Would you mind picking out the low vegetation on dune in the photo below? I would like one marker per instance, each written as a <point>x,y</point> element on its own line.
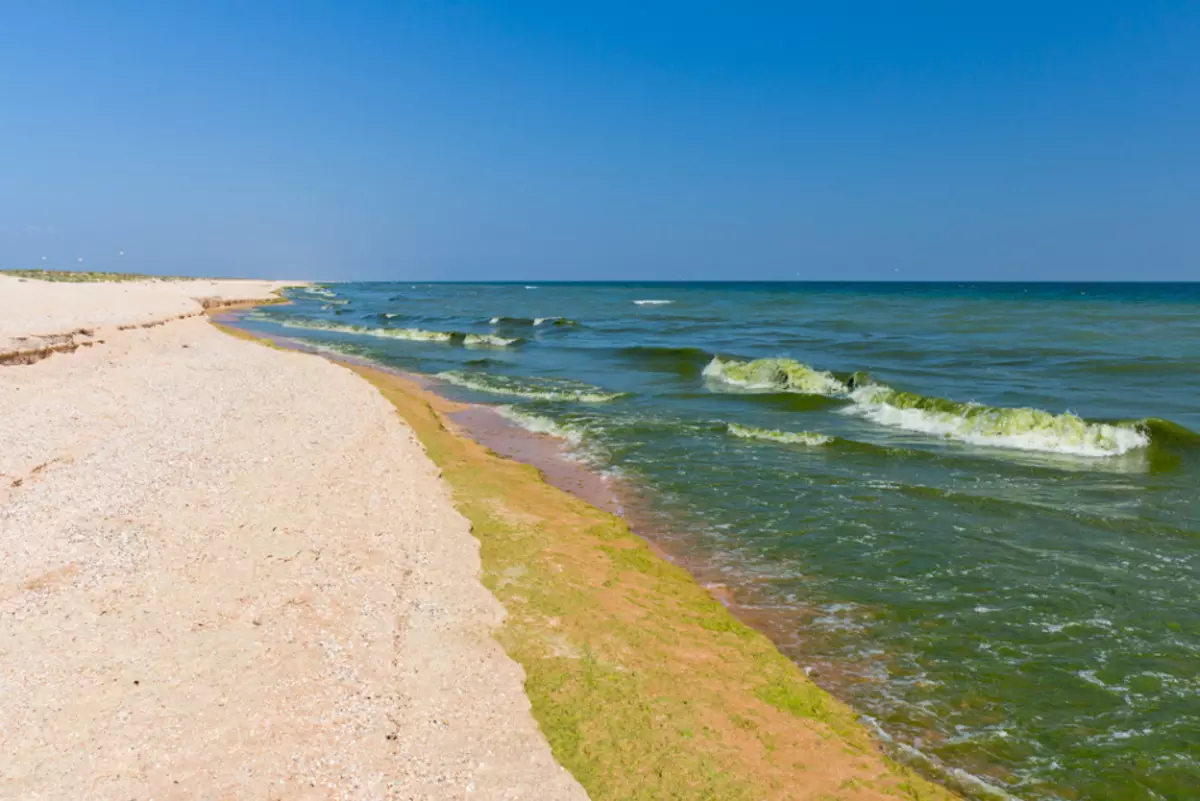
<point>85,277</point>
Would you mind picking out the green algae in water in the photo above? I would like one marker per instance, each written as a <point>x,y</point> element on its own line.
<point>1020,428</point>
<point>996,587</point>
<point>785,437</point>
<point>781,375</point>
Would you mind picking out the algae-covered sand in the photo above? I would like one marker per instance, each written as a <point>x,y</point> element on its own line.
<point>644,685</point>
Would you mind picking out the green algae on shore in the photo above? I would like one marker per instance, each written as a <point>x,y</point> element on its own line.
<point>644,684</point>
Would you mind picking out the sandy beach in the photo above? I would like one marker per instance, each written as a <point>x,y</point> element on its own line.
<point>228,571</point>
<point>234,570</point>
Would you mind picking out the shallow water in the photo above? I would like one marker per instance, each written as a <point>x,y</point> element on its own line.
<point>1011,595</point>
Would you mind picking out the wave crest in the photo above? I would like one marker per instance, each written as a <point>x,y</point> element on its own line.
<point>488,341</point>
<point>539,424</point>
<point>787,437</point>
<point>779,375</point>
<point>535,389</point>
<point>533,321</point>
<point>410,334</point>
<point>1016,428</point>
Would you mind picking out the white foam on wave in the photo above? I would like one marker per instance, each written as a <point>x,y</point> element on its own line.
<point>488,341</point>
<point>778,375</point>
<point>413,334</point>
<point>502,385</point>
<point>652,302</point>
<point>540,424</point>
<point>1016,429</point>
<point>785,437</point>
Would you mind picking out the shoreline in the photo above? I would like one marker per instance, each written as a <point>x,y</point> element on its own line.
<point>230,571</point>
<point>456,433</point>
<point>232,568</point>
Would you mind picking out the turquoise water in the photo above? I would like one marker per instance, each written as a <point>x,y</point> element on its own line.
<point>1007,591</point>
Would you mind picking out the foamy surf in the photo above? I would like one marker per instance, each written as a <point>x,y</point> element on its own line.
<point>1017,428</point>
<point>414,334</point>
<point>778,375</point>
<point>652,302</point>
<point>531,321</point>
<point>784,437</point>
<point>488,341</point>
<point>540,389</point>
<point>540,424</point>
<point>410,334</point>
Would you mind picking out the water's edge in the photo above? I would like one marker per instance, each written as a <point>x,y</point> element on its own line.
<point>482,424</point>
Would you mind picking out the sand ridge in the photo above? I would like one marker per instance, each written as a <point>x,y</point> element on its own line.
<point>231,571</point>
<point>40,318</point>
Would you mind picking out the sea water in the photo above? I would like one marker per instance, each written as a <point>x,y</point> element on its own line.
<point>972,511</point>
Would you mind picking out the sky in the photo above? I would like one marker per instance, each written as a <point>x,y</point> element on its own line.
<point>612,140</point>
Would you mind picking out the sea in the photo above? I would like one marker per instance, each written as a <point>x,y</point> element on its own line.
<point>971,511</point>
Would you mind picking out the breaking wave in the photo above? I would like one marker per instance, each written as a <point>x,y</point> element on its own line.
<point>786,437</point>
<point>534,389</point>
<point>778,375</point>
<point>533,321</point>
<point>540,424</point>
<point>1016,428</point>
<point>411,334</point>
<point>652,302</point>
<point>1024,429</point>
<point>488,341</point>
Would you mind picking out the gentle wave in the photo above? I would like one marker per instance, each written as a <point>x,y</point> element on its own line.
<point>540,389</point>
<point>539,424</point>
<point>652,302</point>
<point>488,340</point>
<point>779,375</point>
<point>665,359</point>
<point>533,321</point>
<point>786,437</point>
<point>1017,428</point>
<point>411,334</point>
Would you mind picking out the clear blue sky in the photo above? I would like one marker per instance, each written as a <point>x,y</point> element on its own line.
<point>608,140</point>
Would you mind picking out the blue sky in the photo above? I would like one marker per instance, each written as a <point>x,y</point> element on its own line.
<point>543,140</point>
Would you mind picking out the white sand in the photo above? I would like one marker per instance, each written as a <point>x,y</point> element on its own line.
<point>37,314</point>
<point>231,572</point>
